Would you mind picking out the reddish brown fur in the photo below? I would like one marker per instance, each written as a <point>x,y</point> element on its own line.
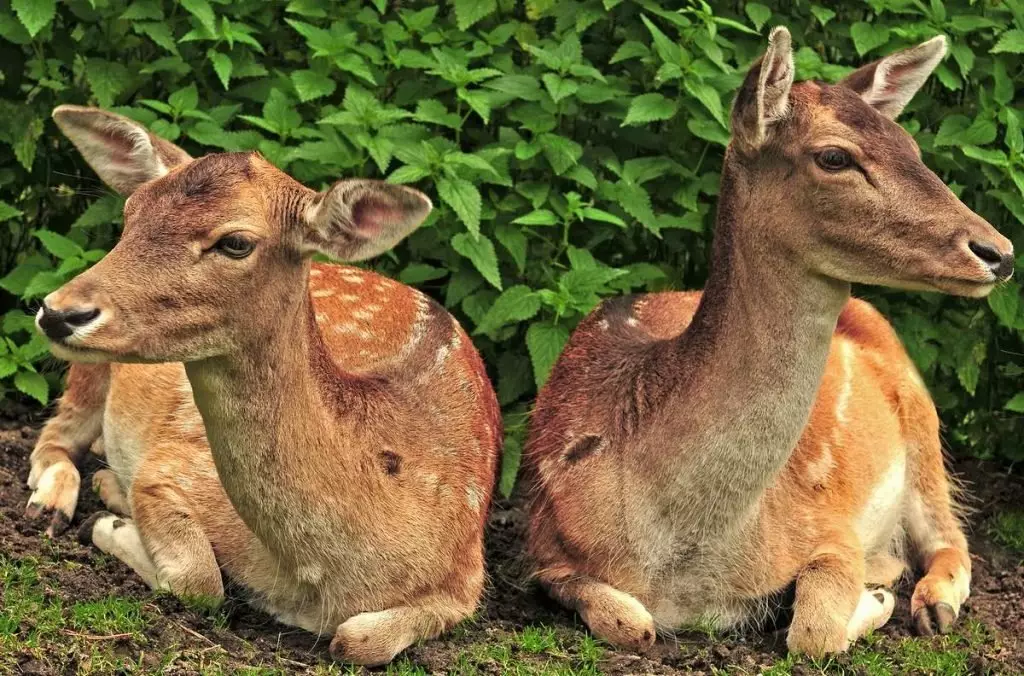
<point>692,455</point>
<point>353,430</point>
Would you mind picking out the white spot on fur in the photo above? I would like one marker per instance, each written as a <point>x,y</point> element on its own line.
<point>883,510</point>
<point>363,315</point>
<point>819,469</point>
<point>315,272</point>
<point>321,318</point>
<point>323,293</point>
<point>352,278</point>
<point>845,389</point>
<point>351,328</point>
<point>603,325</point>
<point>474,497</point>
<point>632,321</point>
<point>373,307</point>
<point>348,297</point>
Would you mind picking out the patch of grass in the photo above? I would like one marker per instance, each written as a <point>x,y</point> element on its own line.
<point>537,640</point>
<point>112,615</point>
<point>1007,529</point>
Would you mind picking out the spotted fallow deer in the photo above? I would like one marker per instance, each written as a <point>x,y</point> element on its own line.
<point>694,455</point>
<point>353,432</point>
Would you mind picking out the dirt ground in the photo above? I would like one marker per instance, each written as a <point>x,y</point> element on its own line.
<point>517,630</point>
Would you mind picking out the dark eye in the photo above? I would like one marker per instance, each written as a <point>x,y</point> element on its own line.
<point>234,246</point>
<point>834,159</point>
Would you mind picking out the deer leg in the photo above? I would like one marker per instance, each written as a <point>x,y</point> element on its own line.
<point>832,609</point>
<point>612,615</point>
<point>375,638</point>
<point>120,538</point>
<point>180,549</point>
<point>105,484</point>
<point>54,477</point>
<point>933,529</point>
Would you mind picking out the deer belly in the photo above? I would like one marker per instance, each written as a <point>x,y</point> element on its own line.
<point>881,513</point>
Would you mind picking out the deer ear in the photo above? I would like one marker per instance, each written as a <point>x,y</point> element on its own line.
<point>119,150</point>
<point>888,84</point>
<point>763,99</point>
<point>358,219</point>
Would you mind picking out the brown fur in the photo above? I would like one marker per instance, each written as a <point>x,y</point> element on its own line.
<point>353,432</point>
<point>693,454</point>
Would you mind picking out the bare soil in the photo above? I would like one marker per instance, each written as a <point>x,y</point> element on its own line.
<point>243,637</point>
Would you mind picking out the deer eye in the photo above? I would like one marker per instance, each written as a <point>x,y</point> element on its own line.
<point>833,159</point>
<point>234,246</point>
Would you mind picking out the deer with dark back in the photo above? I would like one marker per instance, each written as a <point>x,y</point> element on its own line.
<point>694,455</point>
<point>353,432</point>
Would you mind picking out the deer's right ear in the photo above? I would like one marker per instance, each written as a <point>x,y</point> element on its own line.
<point>119,150</point>
<point>763,99</point>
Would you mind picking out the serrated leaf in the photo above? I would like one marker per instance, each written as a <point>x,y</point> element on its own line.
<point>868,36</point>
<point>1005,303</point>
<point>630,49</point>
<point>561,153</point>
<point>34,15</point>
<point>481,252</point>
<point>545,342</point>
<point>202,11</point>
<point>559,88</point>
<point>464,198</point>
<point>58,245</point>
<point>649,108</point>
<point>515,304</point>
<point>222,65</point>
<point>417,273</point>
<point>106,79</point>
<point>1012,42</point>
<point>311,85</point>
<point>33,384</point>
<point>106,209</point>
<point>511,457</point>
<point>709,98</point>
<point>468,12</point>
<point>594,214</point>
<point>8,212</point>
<point>538,217</point>
<point>515,243</point>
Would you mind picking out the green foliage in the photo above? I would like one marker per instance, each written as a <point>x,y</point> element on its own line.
<point>572,149</point>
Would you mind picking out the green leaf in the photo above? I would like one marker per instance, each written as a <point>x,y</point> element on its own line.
<point>758,14</point>
<point>464,198</point>
<point>868,36</point>
<point>515,304</point>
<point>481,252</point>
<point>34,15</point>
<point>184,99</point>
<point>649,108</point>
<point>1003,87</point>
<point>59,245</point>
<point>202,11</point>
<point>561,153</point>
<point>511,457</point>
<point>592,214</point>
<point>159,32</point>
<point>8,212</point>
<point>33,384</point>
<point>709,97</point>
<point>545,342</point>
<point>822,14</point>
<point>708,130</point>
<point>468,12</point>
<point>1005,303</point>
<point>222,65</point>
<point>106,79</point>
<point>558,87</point>
<point>311,85</point>
<point>106,209</point>
<point>1016,404</point>
<point>417,273</point>
<point>1012,42</point>
<point>630,49</point>
<point>538,217</point>
<point>514,242</point>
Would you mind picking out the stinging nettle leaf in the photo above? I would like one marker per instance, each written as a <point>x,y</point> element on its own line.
<point>649,108</point>
<point>464,198</point>
<point>480,251</point>
<point>34,15</point>
<point>545,342</point>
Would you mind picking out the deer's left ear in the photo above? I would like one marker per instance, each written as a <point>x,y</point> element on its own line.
<point>763,99</point>
<point>888,84</point>
<point>359,218</point>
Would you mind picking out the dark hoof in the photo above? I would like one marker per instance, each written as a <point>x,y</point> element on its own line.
<point>85,530</point>
<point>937,619</point>
<point>56,521</point>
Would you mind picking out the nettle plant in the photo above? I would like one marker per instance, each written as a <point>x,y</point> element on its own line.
<point>573,148</point>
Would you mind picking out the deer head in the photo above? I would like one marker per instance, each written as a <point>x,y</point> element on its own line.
<point>213,250</point>
<point>845,187</point>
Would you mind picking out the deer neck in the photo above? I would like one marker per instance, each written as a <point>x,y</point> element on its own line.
<point>275,410</point>
<point>750,363</point>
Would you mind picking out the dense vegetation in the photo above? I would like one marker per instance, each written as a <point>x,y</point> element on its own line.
<point>572,146</point>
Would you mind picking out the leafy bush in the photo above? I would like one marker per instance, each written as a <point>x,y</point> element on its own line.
<point>573,148</point>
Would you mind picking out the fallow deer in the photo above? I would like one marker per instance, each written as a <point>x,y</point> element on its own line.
<point>353,432</point>
<point>693,455</point>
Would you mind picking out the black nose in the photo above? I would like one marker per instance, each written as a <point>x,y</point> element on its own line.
<point>57,324</point>
<point>1000,264</point>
